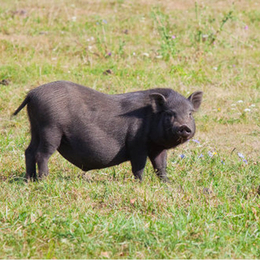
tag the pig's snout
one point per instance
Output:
(184, 131)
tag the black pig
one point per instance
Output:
(93, 130)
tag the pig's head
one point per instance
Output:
(174, 117)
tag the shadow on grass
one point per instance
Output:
(87, 177)
(14, 177)
(94, 178)
(19, 177)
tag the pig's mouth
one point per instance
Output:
(178, 135)
(184, 133)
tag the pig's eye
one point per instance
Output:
(190, 114)
(170, 114)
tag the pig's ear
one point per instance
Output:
(196, 99)
(158, 101)
(158, 98)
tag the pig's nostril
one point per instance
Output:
(184, 131)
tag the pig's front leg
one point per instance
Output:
(138, 160)
(159, 161)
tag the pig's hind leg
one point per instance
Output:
(50, 138)
(30, 157)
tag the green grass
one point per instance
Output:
(211, 208)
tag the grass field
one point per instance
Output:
(211, 207)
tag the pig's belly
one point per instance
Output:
(93, 154)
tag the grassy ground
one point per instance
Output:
(211, 209)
